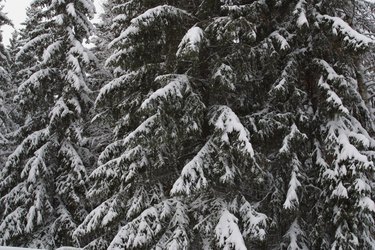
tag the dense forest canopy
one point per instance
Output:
(195, 124)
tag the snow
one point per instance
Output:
(348, 151)
(89, 5)
(302, 20)
(31, 141)
(33, 81)
(284, 45)
(294, 133)
(228, 233)
(351, 36)
(71, 10)
(112, 166)
(59, 111)
(114, 85)
(192, 177)
(191, 42)
(143, 128)
(367, 203)
(74, 62)
(71, 155)
(48, 53)
(301, 12)
(77, 48)
(340, 191)
(12, 224)
(331, 73)
(138, 232)
(225, 120)
(148, 18)
(175, 87)
(293, 234)
(361, 186)
(291, 197)
(281, 85)
(254, 222)
(106, 154)
(57, 2)
(35, 165)
(98, 217)
(226, 76)
(76, 81)
(31, 44)
(332, 98)
(137, 202)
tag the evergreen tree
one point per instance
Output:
(227, 124)
(42, 185)
(6, 88)
(224, 108)
(167, 125)
(99, 129)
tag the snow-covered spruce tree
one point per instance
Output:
(99, 130)
(181, 168)
(309, 60)
(42, 185)
(363, 21)
(193, 81)
(344, 150)
(22, 63)
(6, 90)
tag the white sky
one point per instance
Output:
(16, 11)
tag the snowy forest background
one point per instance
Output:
(194, 124)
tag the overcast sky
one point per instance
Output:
(16, 11)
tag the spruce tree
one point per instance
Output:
(42, 185)
(178, 172)
(7, 123)
(226, 111)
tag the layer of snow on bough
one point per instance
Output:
(145, 127)
(332, 98)
(95, 219)
(192, 176)
(254, 222)
(71, 10)
(191, 41)
(59, 111)
(291, 198)
(351, 35)
(367, 203)
(228, 122)
(34, 81)
(301, 12)
(340, 191)
(293, 235)
(138, 232)
(114, 85)
(228, 233)
(225, 76)
(146, 19)
(50, 50)
(331, 73)
(294, 132)
(284, 45)
(173, 88)
(348, 151)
